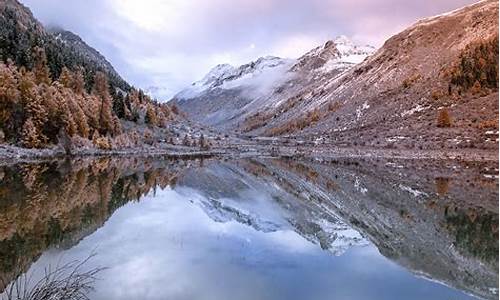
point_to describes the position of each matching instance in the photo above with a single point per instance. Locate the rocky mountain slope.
(227, 95)
(432, 86)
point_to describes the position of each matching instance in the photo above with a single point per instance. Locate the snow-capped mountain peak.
(227, 76)
(337, 54)
(218, 72)
(351, 52)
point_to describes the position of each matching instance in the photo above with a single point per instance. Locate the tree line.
(36, 111)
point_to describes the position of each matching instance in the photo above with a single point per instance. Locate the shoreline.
(12, 155)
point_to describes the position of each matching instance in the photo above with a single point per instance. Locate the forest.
(36, 111)
(53, 93)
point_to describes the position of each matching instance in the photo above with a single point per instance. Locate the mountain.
(78, 47)
(338, 54)
(56, 89)
(21, 32)
(227, 94)
(434, 85)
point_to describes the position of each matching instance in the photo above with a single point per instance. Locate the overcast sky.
(172, 43)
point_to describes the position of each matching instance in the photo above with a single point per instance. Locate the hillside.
(434, 85)
(228, 95)
(56, 89)
(20, 33)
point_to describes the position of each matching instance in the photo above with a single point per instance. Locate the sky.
(169, 44)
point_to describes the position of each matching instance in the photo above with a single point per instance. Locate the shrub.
(102, 143)
(442, 185)
(436, 95)
(488, 124)
(408, 82)
(334, 106)
(444, 119)
(148, 137)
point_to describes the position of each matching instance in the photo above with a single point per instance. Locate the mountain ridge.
(231, 92)
(434, 85)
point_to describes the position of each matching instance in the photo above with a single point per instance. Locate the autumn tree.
(66, 78)
(174, 109)
(9, 101)
(78, 82)
(444, 119)
(150, 117)
(31, 137)
(101, 90)
(41, 70)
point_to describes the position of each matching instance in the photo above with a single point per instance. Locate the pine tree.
(41, 70)
(80, 118)
(67, 122)
(9, 100)
(35, 111)
(185, 141)
(30, 135)
(151, 118)
(105, 110)
(66, 78)
(78, 82)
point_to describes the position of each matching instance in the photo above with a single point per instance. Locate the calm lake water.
(257, 228)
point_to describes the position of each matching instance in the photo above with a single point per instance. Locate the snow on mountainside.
(337, 54)
(432, 86)
(226, 76)
(227, 94)
(79, 46)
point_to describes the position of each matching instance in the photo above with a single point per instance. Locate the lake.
(257, 228)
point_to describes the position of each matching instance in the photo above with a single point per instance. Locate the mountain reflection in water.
(257, 228)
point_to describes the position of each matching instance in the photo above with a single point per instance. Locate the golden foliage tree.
(66, 78)
(444, 118)
(101, 90)
(151, 117)
(41, 69)
(36, 111)
(31, 137)
(9, 99)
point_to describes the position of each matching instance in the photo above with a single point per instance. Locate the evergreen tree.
(41, 70)
(106, 122)
(151, 118)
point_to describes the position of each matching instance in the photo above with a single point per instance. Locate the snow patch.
(359, 110)
(417, 108)
(414, 192)
(395, 138)
(358, 187)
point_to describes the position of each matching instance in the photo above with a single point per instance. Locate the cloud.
(171, 43)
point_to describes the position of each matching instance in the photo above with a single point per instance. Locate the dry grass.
(488, 124)
(68, 281)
